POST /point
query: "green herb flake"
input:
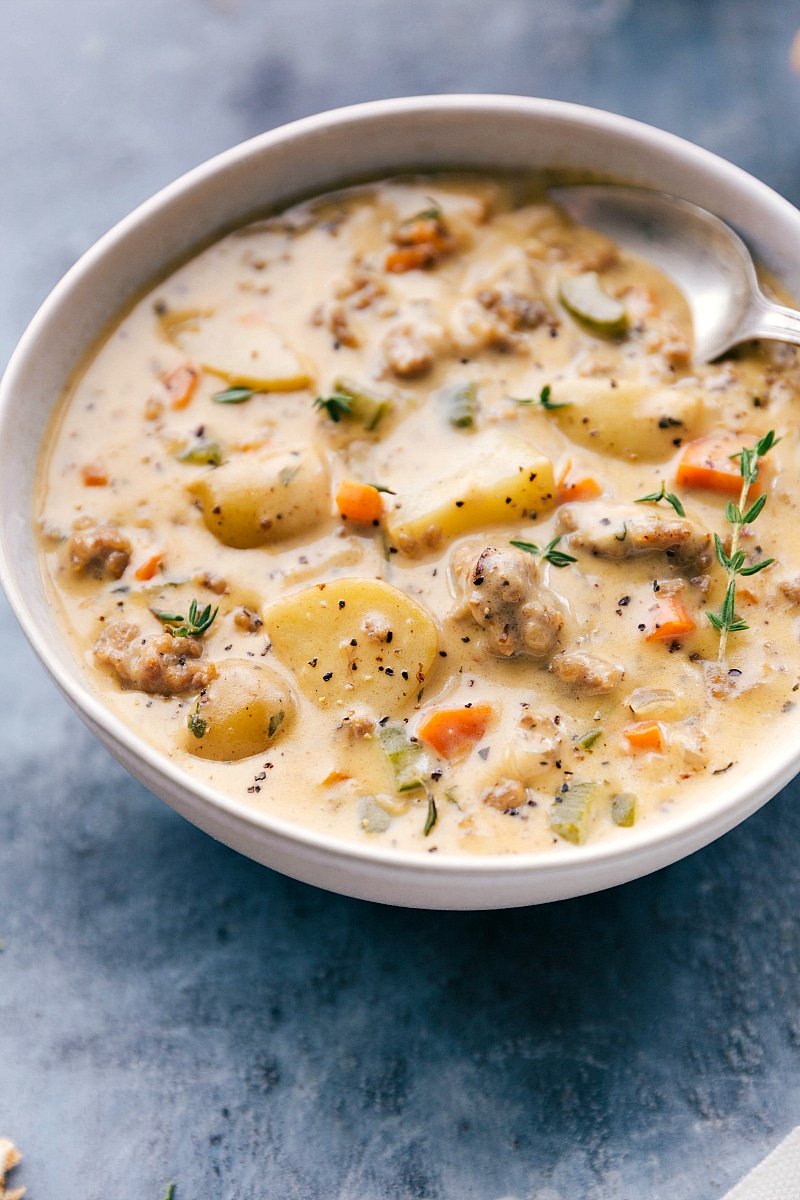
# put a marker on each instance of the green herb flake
(588, 739)
(234, 395)
(543, 399)
(431, 818)
(336, 406)
(275, 722)
(196, 724)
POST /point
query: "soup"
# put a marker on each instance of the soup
(406, 516)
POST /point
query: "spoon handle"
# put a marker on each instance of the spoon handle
(773, 321)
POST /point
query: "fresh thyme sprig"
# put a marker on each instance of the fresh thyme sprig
(337, 405)
(733, 561)
(543, 398)
(663, 494)
(550, 554)
(195, 625)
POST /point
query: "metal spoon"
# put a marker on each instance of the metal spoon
(708, 261)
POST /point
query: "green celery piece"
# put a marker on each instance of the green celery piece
(583, 297)
(571, 812)
(407, 758)
(365, 406)
(623, 809)
(461, 405)
(371, 817)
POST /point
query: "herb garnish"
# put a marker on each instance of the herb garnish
(195, 625)
(234, 395)
(738, 515)
(380, 488)
(588, 740)
(336, 405)
(543, 398)
(170, 1192)
(663, 494)
(275, 722)
(557, 557)
(195, 722)
(432, 816)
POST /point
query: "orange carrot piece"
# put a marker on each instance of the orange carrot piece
(148, 569)
(452, 732)
(671, 620)
(410, 258)
(359, 502)
(706, 463)
(645, 735)
(181, 384)
(94, 476)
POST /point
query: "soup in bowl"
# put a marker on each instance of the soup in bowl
(394, 536)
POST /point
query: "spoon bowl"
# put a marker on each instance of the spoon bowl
(704, 256)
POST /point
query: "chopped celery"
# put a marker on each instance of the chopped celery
(623, 809)
(371, 817)
(588, 739)
(461, 405)
(572, 812)
(202, 453)
(406, 758)
(363, 406)
(584, 298)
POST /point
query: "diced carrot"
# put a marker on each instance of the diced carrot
(582, 488)
(644, 735)
(453, 731)
(148, 569)
(181, 384)
(670, 620)
(410, 258)
(359, 502)
(94, 476)
(707, 463)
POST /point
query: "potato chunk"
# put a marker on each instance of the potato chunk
(507, 480)
(355, 639)
(243, 348)
(240, 713)
(630, 420)
(251, 501)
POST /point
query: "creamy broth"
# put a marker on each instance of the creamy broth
(387, 664)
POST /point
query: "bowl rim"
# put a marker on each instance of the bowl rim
(689, 827)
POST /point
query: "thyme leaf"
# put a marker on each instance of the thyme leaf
(663, 494)
(195, 625)
(337, 405)
(558, 558)
(543, 398)
(234, 395)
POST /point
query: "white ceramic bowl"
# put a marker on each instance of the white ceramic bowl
(313, 155)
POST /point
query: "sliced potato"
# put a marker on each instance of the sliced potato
(243, 348)
(631, 420)
(506, 480)
(241, 712)
(250, 501)
(355, 639)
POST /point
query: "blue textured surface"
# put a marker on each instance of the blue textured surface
(171, 1011)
